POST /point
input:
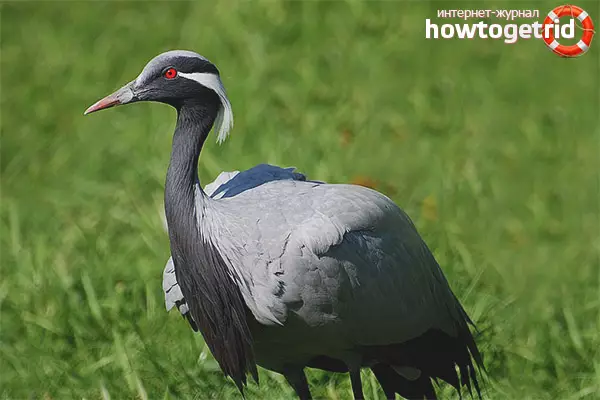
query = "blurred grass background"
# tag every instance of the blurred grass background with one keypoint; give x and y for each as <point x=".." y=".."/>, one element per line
<point x="493" y="150"/>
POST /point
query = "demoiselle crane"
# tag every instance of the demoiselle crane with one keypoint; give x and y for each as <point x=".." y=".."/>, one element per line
<point x="289" y="273"/>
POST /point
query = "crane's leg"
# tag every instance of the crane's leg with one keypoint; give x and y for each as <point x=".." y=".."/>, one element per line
<point x="297" y="380"/>
<point x="356" y="383"/>
<point x="353" y="362"/>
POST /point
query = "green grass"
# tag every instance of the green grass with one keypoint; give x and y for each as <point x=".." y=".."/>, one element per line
<point x="493" y="150"/>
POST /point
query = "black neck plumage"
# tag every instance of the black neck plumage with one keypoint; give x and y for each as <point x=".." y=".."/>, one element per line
<point x="214" y="298"/>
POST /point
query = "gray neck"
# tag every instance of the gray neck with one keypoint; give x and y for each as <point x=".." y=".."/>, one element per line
<point x="215" y="301"/>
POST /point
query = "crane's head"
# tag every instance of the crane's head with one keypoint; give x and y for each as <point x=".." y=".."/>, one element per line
<point x="177" y="78"/>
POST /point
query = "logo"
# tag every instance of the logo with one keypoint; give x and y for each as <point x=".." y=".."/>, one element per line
<point x="579" y="27"/>
<point x="551" y="30"/>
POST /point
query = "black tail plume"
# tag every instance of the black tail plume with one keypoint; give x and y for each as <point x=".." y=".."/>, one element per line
<point x="392" y="383"/>
<point x="437" y="355"/>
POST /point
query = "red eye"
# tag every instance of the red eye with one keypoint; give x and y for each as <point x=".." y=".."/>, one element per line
<point x="170" y="73"/>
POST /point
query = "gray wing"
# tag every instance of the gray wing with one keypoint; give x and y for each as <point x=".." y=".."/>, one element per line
<point x="226" y="185"/>
<point x="335" y="252"/>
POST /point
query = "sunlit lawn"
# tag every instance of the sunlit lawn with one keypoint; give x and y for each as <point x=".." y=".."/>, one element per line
<point x="493" y="150"/>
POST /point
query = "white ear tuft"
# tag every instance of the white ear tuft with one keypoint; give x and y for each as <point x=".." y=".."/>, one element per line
<point x="224" y="121"/>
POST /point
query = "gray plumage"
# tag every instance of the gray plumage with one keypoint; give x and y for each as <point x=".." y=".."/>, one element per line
<point x="286" y="273"/>
<point x="227" y="184"/>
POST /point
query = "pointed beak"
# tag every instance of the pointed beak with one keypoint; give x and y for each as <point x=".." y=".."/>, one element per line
<point x="122" y="96"/>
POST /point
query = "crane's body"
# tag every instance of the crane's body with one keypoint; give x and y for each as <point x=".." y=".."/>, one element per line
<point x="288" y="273"/>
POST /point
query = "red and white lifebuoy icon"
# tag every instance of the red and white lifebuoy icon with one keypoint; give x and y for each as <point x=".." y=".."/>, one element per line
<point x="574" y="12"/>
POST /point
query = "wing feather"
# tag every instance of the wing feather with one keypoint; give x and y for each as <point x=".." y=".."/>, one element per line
<point x="349" y="250"/>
